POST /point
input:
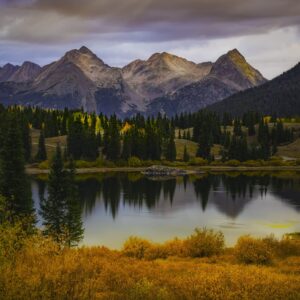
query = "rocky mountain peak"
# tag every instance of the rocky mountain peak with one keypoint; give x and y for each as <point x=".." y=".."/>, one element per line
<point x="85" y="50"/>
<point x="233" y="67"/>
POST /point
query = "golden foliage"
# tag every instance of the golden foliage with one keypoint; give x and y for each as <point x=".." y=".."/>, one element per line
<point x="40" y="269"/>
<point x="253" y="251"/>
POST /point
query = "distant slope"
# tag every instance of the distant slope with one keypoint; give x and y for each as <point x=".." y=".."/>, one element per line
<point x="279" y="96"/>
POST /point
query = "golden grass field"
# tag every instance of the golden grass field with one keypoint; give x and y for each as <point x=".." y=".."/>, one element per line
<point x="198" y="267"/>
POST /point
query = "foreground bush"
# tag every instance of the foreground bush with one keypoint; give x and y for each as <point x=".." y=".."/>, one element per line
<point x="38" y="268"/>
<point x="249" y="250"/>
<point x="136" y="247"/>
<point x="41" y="271"/>
<point x="204" y="243"/>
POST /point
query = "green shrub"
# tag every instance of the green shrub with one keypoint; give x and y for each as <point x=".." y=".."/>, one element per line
<point x="249" y="250"/>
<point x="216" y="163"/>
<point x="44" y="165"/>
<point x="198" y="161"/>
<point x="276" y="161"/>
<point x="251" y="163"/>
<point x="233" y="163"/>
<point x="134" y="162"/>
<point x="204" y="243"/>
<point x="103" y="163"/>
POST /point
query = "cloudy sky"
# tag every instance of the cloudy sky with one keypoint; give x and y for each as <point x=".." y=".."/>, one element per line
<point x="267" y="32"/>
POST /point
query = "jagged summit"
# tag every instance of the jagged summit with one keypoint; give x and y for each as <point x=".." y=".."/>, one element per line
<point x="85" y="50"/>
<point x="233" y="67"/>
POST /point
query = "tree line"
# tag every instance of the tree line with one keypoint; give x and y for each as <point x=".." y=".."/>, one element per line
<point x="91" y="136"/>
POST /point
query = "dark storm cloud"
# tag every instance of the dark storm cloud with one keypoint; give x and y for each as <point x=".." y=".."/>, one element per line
<point x="145" y="20"/>
<point x="266" y="31"/>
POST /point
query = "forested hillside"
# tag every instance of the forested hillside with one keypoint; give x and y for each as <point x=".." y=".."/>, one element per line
<point x="280" y="96"/>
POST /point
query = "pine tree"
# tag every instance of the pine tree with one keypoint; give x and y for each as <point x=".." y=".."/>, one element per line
<point x="61" y="210"/>
<point x="14" y="185"/>
<point x="41" y="154"/>
<point x="73" y="221"/>
<point x="53" y="209"/>
<point x="26" y="137"/>
<point x="114" y="140"/>
<point x="171" y="149"/>
<point x="186" y="156"/>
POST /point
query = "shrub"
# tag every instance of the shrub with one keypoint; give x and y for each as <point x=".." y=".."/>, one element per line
<point x="216" y="163"/>
<point x="249" y="250"/>
<point x="198" y="161"/>
<point x="136" y="247"/>
<point x="288" y="247"/>
<point x="175" y="247"/>
<point x="134" y="162"/>
<point x="104" y="163"/>
<point x="276" y="161"/>
<point x="251" y="163"/>
<point x="155" y="251"/>
<point x="44" y="165"/>
<point x="233" y="163"/>
<point x="204" y="243"/>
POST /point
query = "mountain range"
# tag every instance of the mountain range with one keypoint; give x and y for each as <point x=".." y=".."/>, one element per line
<point x="164" y="83"/>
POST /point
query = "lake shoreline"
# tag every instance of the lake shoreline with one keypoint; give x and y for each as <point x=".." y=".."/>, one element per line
<point x="191" y="170"/>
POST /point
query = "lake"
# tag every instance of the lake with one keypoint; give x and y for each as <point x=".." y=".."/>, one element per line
<point x="117" y="205"/>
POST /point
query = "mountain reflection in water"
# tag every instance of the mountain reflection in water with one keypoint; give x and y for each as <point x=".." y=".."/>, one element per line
<point x="160" y="208"/>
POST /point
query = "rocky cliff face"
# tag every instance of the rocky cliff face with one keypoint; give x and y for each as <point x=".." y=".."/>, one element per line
<point x="164" y="83"/>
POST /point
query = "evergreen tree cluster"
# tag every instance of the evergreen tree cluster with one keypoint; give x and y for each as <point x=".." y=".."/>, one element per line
<point x="91" y="136"/>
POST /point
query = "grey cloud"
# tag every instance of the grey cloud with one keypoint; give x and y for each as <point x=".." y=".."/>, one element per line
<point x="142" y="20"/>
<point x="122" y="30"/>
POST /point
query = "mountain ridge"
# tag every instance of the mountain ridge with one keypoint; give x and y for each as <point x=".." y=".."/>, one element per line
<point x="81" y="79"/>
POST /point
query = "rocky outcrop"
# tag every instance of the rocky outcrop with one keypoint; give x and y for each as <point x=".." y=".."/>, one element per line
<point x="161" y="171"/>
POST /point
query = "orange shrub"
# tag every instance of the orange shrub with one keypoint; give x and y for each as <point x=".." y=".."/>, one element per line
<point x="249" y="250"/>
<point x="136" y="247"/>
<point x="204" y="242"/>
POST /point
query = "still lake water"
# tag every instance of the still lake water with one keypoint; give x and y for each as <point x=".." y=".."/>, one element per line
<point x="115" y="206"/>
